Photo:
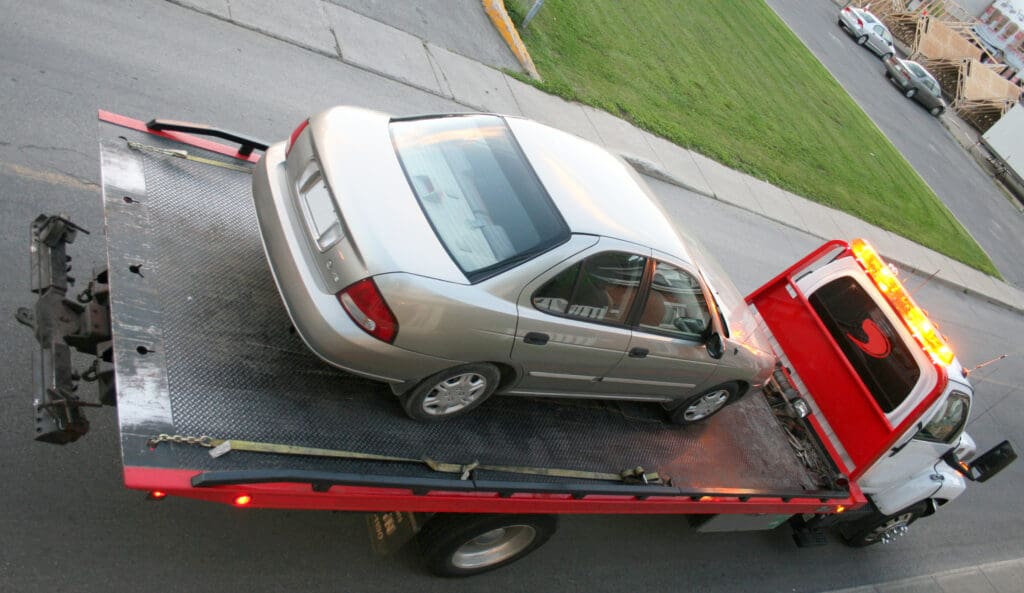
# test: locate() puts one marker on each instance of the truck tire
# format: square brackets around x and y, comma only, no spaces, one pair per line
[883,529]
[452,392]
[456,545]
[704,405]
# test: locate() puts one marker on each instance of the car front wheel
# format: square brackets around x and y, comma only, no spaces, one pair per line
[884,529]
[936,111]
[452,392]
[910,93]
[704,405]
[886,55]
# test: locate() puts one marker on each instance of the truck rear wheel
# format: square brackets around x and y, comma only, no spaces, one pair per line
[883,529]
[456,545]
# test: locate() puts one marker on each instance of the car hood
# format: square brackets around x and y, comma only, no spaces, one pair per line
[742,324]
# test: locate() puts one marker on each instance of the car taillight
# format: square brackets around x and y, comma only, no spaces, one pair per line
[295,136]
[860,23]
[366,306]
[913,316]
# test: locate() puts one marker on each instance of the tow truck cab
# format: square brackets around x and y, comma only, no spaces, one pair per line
[886,389]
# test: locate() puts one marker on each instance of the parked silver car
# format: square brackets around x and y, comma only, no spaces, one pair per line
[456,256]
[916,83]
[867,29]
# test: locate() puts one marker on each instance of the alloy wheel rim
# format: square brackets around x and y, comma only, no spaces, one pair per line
[494,546]
[707,405]
[454,394]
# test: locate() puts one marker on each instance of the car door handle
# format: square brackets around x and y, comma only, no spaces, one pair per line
[639,352]
[536,338]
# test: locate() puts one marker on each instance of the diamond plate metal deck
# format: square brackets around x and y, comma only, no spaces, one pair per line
[203,346]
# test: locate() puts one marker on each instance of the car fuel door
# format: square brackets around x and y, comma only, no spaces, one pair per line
[573,320]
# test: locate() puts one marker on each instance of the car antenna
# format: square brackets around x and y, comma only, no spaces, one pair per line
[985,364]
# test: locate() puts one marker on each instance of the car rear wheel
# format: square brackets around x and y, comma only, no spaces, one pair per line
[910,93]
[936,111]
[862,40]
[704,405]
[452,392]
[465,545]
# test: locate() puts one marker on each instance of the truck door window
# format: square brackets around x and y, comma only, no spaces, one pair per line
[675,304]
[601,288]
[868,340]
[948,423]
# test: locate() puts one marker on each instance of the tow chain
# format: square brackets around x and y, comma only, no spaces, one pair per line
[220,447]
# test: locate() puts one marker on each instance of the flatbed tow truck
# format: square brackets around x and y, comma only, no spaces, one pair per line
[219,400]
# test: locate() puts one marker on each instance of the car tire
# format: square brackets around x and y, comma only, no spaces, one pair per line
[937,111]
[886,55]
[462,545]
[451,393]
[879,528]
[704,405]
[910,93]
[862,40]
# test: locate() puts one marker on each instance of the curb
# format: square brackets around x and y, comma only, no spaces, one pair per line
[495,9]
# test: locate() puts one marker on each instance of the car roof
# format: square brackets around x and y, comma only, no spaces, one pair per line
[597,192]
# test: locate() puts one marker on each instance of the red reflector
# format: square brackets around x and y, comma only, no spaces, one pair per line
[366,306]
[157,495]
[295,136]
[242,500]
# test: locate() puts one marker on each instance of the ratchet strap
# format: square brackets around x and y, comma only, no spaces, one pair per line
[220,447]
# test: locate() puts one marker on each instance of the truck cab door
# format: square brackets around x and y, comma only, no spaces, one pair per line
[927,445]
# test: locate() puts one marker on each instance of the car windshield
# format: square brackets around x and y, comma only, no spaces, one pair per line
[478,191]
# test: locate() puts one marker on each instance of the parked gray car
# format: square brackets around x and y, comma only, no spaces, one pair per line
[916,83]
[867,29]
[456,256]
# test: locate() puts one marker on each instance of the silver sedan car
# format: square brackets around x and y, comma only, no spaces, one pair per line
[457,256]
[867,29]
[916,83]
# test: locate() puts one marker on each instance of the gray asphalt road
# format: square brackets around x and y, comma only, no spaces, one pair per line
[68,524]
[955,177]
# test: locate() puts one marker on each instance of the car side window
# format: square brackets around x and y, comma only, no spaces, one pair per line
[675,304]
[600,288]
[880,31]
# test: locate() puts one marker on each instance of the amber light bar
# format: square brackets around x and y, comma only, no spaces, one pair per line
[913,316]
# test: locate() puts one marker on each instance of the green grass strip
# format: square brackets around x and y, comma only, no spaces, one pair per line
[730,80]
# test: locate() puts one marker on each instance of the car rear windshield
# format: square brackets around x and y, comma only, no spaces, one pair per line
[868,340]
[868,17]
[478,191]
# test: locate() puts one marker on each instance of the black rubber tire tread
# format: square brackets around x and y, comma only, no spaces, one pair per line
[859,530]
[910,93]
[445,533]
[676,414]
[412,400]
[862,40]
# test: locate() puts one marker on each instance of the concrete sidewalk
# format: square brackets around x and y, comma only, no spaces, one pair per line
[996,577]
[339,33]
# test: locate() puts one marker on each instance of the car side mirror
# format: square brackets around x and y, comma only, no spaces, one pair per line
[987,465]
[714,345]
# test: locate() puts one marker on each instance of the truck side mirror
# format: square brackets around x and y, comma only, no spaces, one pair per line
[987,465]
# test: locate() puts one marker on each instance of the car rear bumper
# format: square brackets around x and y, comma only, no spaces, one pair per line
[318,316]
